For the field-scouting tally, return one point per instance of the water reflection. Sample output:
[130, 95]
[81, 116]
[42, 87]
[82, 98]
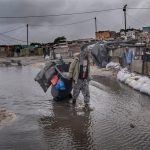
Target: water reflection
[111, 83]
[68, 126]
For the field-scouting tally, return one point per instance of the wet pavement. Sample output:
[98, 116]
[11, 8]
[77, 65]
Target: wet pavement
[43, 124]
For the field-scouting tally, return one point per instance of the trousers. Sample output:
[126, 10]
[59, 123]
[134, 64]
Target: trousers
[81, 86]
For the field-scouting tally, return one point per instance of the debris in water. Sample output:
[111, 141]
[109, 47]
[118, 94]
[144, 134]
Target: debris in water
[132, 125]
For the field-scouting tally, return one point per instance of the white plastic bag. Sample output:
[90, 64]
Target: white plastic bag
[46, 57]
[145, 88]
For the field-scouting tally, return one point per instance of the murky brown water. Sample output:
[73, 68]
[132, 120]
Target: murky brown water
[43, 124]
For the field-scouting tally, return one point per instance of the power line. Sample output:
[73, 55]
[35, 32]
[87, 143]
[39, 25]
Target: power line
[69, 14]
[61, 25]
[56, 15]
[76, 13]
[6, 40]
[10, 37]
[3, 42]
[138, 8]
[135, 19]
[12, 30]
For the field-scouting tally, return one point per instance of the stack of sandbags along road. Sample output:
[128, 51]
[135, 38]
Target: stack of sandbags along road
[137, 82]
[45, 75]
[113, 65]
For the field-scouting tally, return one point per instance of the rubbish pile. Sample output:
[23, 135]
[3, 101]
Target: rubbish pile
[137, 82]
[6, 116]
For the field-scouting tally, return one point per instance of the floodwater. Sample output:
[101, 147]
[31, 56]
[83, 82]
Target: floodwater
[43, 124]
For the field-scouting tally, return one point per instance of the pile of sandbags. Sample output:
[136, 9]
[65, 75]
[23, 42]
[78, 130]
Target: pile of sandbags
[137, 82]
[113, 65]
[123, 75]
[145, 88]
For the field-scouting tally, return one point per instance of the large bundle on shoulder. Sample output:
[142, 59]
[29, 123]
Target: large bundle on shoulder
[54, 74]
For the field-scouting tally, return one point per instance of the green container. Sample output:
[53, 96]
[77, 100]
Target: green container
[36, 51]
[22, 52]
[40, 51]
[27, 51]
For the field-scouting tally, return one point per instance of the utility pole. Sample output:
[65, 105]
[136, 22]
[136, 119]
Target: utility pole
[95, 26]
[125, 20]
[27, 35]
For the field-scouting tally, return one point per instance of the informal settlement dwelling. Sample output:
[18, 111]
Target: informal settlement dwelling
[131, 33]
[61, 50]
[74, 46]
[7, 50]
[101, 35]
[138, 65]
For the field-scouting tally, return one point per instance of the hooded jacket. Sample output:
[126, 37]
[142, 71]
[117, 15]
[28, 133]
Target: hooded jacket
[74, 69]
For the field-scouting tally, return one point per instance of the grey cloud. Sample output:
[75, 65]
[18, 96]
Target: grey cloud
[107, 20]
[28, 8]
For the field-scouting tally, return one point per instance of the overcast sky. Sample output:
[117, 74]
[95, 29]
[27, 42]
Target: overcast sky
[111, 20]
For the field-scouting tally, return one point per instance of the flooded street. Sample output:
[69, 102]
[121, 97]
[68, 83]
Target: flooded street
[43, 124]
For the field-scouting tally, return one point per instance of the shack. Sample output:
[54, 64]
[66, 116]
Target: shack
[138, 65]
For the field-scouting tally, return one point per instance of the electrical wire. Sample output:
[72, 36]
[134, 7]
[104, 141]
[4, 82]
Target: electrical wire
[2, 41]
[69, 24]
[10, 37]
[69, 14]
[12, 30]
[57, 15]
[5, 41]
[138, 8]
[135, 19]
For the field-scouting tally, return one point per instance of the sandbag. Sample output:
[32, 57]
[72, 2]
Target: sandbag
[113, 65]
[121, 74]
[145, 88]
[133, 83]
[125, 77]
[128, 80]
[144, 79]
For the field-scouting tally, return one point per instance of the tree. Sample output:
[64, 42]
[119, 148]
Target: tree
[60, 40]
[33, 44]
